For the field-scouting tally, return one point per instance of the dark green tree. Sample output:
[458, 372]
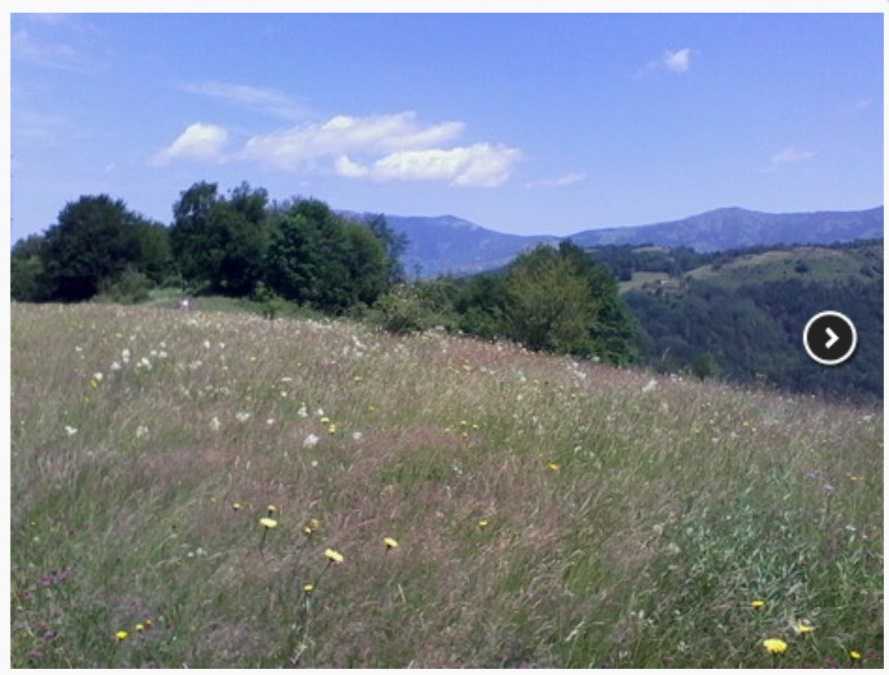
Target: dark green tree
[95, 240]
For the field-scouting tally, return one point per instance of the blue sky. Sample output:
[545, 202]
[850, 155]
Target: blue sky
[521, 123]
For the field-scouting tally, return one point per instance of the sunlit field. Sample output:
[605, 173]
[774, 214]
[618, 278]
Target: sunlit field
[540, 512]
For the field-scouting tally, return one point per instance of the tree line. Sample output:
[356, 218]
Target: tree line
[300, 251]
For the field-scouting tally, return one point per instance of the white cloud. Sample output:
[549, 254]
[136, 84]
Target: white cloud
[565, 179]
[58, 55]
[383, 148]
[790, 154]
[863, 103]
[479, 165]
[199, 141]
[270, 101]
[343, 135]
[678, 61]
[346, 167]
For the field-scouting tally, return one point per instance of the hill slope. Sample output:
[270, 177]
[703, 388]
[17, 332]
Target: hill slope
[548, 513]
[446, 244]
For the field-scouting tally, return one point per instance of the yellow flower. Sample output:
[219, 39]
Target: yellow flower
[314, 523]
[268, 523]
[483, 523]
[325, 420]
[855, 656]
[803, 627]
[308, 588]
[236, 506]
[332, 428]
[121, 635]
[308, 531]
[139, 627]
[333, 556]
[775, 646]
[390, 542]
[552, 466]
[758, 604]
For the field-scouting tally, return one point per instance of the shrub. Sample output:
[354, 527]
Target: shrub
[130, 287]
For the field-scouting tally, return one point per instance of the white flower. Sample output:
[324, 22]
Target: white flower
[242, 416]
[78, 349]
[270, 421]
[162, 354]
[70, 430]
[125, 355]
[319, 412]
[144, 363]
[141, 431]
[115, 366]
[302, 412]
[357, 435]
[286, 379]
[283, 394]
[222, 345]
[652, 383]
[153, 352]
[97, 377]
[206, 344]
[215, 424]
[311, 441]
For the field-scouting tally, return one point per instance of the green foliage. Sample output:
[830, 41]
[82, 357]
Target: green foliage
[130, 287]
[317, 258]
[218, 241]
[28, 282]
[395, 245]
[95, 240]
[412, 308]
[270, 302]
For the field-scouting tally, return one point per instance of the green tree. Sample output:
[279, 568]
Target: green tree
[549, 305]
[28, 282]
[395, 245]
[95, 240]
[220, 242]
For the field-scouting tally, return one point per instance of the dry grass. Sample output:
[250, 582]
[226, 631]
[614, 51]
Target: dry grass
[673, 506]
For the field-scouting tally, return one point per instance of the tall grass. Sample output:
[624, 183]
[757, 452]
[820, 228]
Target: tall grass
[628, 520]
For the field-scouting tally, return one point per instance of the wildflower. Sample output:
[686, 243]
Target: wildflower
[70, 430]
[855, 656]
[148, 624]
[333, 556]
[272, 509]
[236, 506]
[242, 416]
[332, 428]
[552, 466]
[307, 530]
[758, 604]
[141, 431]
[94, 384]
[357, 435]
[302, 412]
[115, 366]
[775, 646]
[125, 355]
[206, 344]
[483, 523]
[268, 523]
[311, 441]
[215, 424]
[145, 363]
[652, 384]
[803, 627]
[314, 524]
[325, 420]
[97, 377]
[270, 421]
[308, 588]
[121, 635]
[140, 627]
[390, 543]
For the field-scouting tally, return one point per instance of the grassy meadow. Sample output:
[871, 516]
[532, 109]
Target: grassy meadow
[547, 513]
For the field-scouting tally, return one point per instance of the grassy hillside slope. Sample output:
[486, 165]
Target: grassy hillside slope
[548, 513]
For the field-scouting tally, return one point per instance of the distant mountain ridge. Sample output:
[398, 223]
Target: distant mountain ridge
[448, 244]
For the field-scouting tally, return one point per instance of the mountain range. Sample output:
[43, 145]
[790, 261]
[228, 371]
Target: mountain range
[448, 244]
